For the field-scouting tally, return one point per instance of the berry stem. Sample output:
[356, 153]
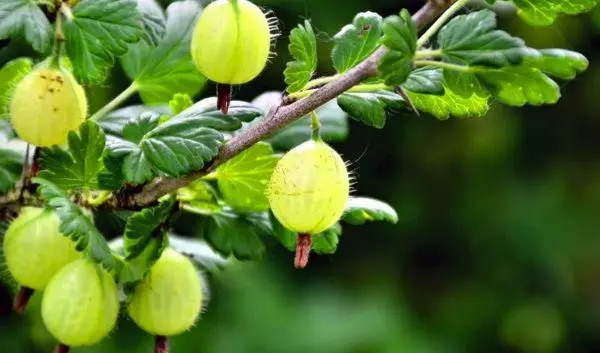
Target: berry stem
[62, 348]
[22, 298]
[161, 345]
[223, 97]
[302, 250]
[118, 100]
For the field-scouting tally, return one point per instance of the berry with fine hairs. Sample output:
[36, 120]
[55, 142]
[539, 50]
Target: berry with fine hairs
[169, 300]
[34, 248]
[80, 305]
[46, 105]
[309, 188]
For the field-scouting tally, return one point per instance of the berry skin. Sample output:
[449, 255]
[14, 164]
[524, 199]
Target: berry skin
[80, 305]
[169, 300]
[46, 105]
[231, 41]
[34, 248]
[309, 188]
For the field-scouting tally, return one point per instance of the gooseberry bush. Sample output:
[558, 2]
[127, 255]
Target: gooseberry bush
[247, 173]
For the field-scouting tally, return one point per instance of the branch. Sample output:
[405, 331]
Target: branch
[277, 118]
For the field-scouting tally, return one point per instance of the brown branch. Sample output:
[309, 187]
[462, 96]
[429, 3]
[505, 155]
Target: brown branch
[277, 118]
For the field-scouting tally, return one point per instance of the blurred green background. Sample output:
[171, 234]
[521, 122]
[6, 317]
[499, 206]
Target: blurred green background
[497, 248]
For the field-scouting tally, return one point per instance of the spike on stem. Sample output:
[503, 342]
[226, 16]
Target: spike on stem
[22, 298]
[161, 345]
[62, 348]
[223, 97]
[302, 250]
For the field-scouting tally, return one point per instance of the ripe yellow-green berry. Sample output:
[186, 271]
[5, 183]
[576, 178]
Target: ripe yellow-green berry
[80, 306]
[231, 41]
[169, 300]
[46, 105]
[34, 248]
[309, 188]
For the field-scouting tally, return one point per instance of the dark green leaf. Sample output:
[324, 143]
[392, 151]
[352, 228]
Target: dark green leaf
[400, 37]
[360, 210]
[303, 47]
[160, 72]
[99, 31]
[180, 102]
[243, 179]
[356, 41]
[76, 225]
[11, 164]
[114, 122]
[560, 63]
[450, 104]
[135, 130]
[153, 20]
[79, 167]
[426, 80]
[206, 110]
[24, 19]
[473, 39]
[327, 241]
[545, 12]
[10, 75]
[370, 107]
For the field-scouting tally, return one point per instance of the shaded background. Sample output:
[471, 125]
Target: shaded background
[497, 248]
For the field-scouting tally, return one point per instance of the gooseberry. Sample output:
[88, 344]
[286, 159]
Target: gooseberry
[80, 305]
[46, 105]
[169, 300]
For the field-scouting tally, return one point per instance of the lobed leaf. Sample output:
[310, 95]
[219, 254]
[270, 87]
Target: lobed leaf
[426, 80]
[356, 41]
[450, 104]
[560, 63]
[303, 47]
[370, 108]
[545, 12]
[11, 164]
[25, 19]
[360, 210]
[400, 37]
[153, 21]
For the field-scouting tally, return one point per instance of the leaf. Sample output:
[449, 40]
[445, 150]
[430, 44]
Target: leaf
[426, 80]
[560, 63]
[450, 104]
[360, 210]
[545, 12]
[207, 111]
[76, 225]
[199, 197]
[370, 108]
[356, 41]
[161, 71]
[11, 164]
[464, 84]
[303, 47]
[25, 19]
[135, 130]
[325, 242]
[237, 235]
[180, 102]
[400, 37]
[473, 39]
[114, 122]
[10, 75]
[518, 86]
[199, 252]
[243, 179]
[79, 167]
[153, 21]
[98, 31]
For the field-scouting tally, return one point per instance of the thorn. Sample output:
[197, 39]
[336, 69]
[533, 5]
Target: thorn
[302, 250]
[223, 97]
[405, 96]
[62, 348]
[21, 299]
[160, 345]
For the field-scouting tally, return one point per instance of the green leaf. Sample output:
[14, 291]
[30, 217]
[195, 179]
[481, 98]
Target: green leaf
[545, 12]
[79, 167]
[370, 107]
[10, 75]
[99, 31]
[464, 84]
[473, 39]
[11, 164]
[426, 80]
[360, 210]
[199, 197]
[327, 241]
[180, 102]
[114, 122]
[243, 179]
[207, 111]
[237, 235]
[160, 72]
[153, 20]
[25, 19]
[76, 225]
[135, 130]
[199, 252]
[518, 86]
[303, 47]
[400, 37]
[449, 104]
[356, 41]
[560, 63]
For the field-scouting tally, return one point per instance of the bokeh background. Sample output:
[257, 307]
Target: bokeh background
[497, 248]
